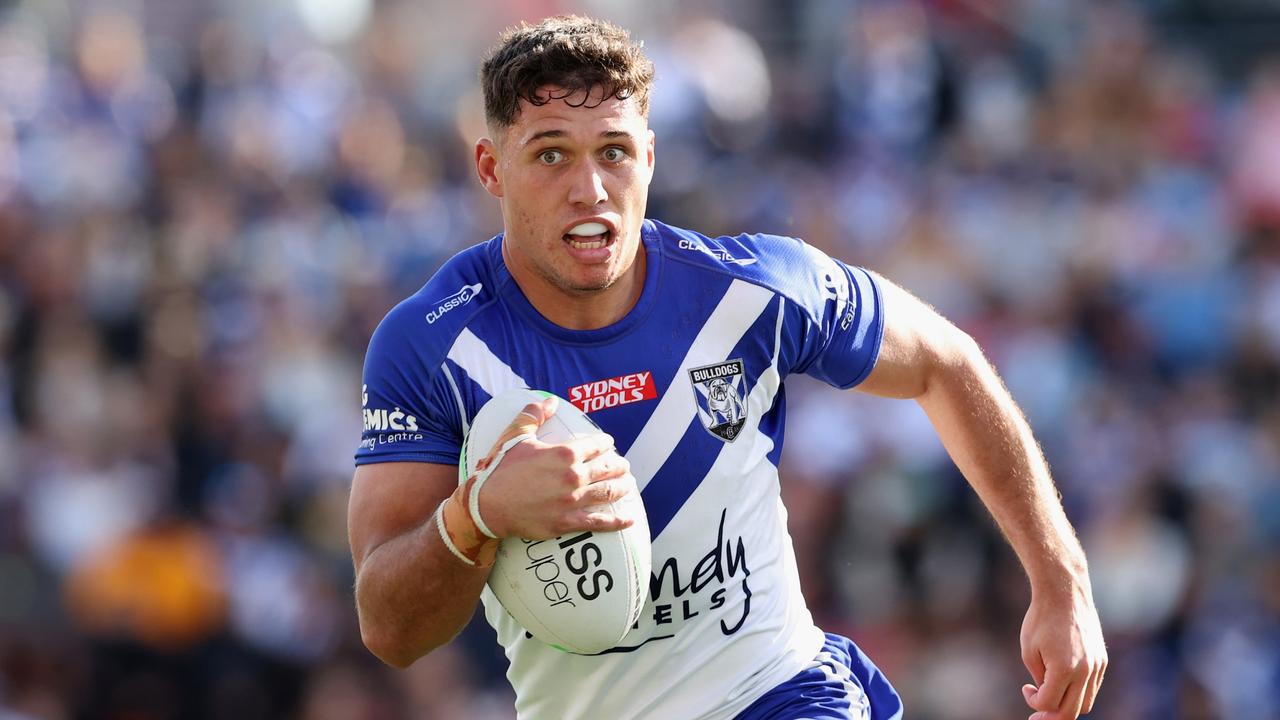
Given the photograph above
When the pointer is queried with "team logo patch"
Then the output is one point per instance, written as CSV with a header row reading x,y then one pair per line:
x,y
721,405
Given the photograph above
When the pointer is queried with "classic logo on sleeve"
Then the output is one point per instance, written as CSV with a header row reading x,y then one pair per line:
x,y
720,398
458,299
720,254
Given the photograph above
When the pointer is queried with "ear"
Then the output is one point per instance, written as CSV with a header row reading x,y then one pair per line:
x,y
487,166
650,158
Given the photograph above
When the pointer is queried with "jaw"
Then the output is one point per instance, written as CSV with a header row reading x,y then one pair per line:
x,y
576,292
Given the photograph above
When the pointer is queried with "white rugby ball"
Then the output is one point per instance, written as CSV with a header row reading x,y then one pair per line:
x,y
580,592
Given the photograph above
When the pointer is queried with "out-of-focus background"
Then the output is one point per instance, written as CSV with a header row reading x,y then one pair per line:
x,y
206,207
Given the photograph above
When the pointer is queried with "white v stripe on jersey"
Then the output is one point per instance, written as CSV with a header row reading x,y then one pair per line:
x,y
737,312
457,396
755,445
482,366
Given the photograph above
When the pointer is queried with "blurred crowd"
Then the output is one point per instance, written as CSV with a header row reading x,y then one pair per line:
x,y
205,209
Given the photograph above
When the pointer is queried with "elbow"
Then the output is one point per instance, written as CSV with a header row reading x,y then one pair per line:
x,y
954,357
393,643
963,352
389,648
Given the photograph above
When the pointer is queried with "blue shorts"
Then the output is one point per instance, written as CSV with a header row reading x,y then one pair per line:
x,y
841,683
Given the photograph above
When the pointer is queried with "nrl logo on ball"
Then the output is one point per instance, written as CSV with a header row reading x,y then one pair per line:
x,y
721,404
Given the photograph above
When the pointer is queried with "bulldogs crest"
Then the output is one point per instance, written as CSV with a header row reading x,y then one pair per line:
x,y
721,402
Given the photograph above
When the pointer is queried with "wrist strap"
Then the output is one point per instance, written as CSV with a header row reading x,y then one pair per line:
x,y
448,541
489,465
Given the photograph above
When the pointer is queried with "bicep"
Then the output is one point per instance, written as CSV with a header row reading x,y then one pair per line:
x,y
390,499
917,343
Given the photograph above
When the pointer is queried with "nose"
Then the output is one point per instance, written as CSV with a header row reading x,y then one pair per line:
x,y
587,186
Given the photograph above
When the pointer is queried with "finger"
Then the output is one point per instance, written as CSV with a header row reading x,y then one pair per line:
x,y
530,418
603,493
1048,696
605,521
1067,709
587,447
1073,700
606,466
1091,691
1028,693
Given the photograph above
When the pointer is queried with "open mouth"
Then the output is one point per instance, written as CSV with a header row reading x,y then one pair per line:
x,y
589,236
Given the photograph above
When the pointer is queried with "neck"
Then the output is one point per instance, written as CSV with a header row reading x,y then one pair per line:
x,y
582,310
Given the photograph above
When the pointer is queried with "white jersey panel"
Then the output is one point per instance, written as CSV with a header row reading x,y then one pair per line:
x,y
710,669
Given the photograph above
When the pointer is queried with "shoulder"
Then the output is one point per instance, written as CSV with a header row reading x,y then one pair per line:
x,y
788,266
426,323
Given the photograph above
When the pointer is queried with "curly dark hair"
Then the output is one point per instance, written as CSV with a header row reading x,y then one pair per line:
x,y
574,53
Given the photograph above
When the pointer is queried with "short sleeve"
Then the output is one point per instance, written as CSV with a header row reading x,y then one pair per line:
x,y
843,314
409,409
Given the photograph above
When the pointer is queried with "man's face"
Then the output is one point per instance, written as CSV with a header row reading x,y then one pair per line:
x,y
574,182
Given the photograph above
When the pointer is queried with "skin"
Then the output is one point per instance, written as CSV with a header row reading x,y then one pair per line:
x,y
558,165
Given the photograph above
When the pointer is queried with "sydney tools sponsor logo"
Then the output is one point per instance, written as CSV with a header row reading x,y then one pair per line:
x,y
613,392
458,299
718,253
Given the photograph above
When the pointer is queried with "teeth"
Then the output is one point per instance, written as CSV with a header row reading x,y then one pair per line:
x,y
589,245
589,229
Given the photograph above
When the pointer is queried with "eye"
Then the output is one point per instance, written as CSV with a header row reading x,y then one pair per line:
x,y
550,157
614,154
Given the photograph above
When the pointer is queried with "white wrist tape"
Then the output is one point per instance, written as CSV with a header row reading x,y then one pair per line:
x,y
448,541
473,499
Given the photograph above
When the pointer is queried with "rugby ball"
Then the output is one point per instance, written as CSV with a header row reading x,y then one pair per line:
x,y
580,592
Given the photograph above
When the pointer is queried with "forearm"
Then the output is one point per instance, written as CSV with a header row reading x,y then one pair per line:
x,y
924,357
413,595
990,441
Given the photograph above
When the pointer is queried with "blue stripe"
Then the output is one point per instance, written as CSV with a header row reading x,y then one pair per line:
x,y
688,465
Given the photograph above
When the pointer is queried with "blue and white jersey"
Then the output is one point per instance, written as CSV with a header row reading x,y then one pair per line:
x,y
689,383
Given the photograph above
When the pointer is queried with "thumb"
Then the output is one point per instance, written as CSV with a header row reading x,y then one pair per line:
x,y
531,417
527,421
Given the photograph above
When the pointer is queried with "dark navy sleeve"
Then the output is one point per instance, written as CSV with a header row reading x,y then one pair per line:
x,y
409,404
842,320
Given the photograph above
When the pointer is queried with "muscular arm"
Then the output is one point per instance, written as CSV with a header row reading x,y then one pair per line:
x,y
412,594
926,358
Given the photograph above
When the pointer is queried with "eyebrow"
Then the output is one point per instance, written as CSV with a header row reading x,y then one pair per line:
x,y
547,134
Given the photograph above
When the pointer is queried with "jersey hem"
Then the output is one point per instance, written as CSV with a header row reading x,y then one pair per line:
x,y
875,349
429,457
791,665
